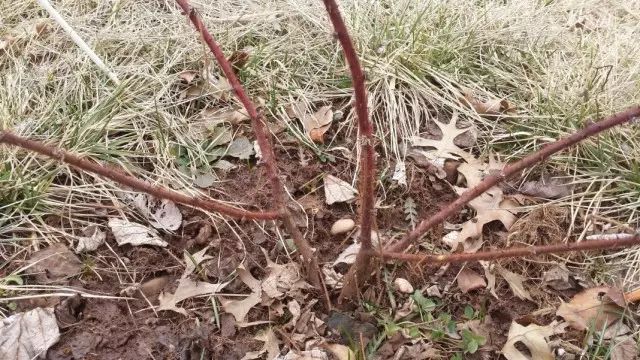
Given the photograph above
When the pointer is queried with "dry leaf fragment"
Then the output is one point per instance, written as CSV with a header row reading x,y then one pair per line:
x,y
28,335
271,346
315,125
558,278
469,280
188,76
487,107
624,348
340,352
41,28
515,283
187,288
534,337
240,308
162,213
126,232
336,190
548,188
53,264
92,239
590,307
241,148
213,117
238,59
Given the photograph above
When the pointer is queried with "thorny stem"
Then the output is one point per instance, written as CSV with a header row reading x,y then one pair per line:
x,y
137,184
309,259
360,271
432,260
540,155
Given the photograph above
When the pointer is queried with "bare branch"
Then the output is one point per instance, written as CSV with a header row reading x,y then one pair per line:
x,y
540,155
360,270
302,245
121,178
433,260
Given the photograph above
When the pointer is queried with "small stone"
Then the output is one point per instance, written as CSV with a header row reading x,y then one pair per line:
x,y
403,286
434,291
342,226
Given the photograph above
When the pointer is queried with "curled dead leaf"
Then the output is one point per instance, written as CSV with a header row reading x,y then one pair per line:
x,y
238,59
54,264
469,280
488,106
591,308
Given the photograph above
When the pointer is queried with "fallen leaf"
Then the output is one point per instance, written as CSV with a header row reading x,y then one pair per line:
x,y
220,88
240,308
281,280
54,264
488,106
92,239
241,148
445,147
489,207
557,278
624,348
548,187
238,59
315,125
212,117
419,351
515,283
41,28
469,280
28,335
400,173
162,213
534,337
224,165
271,346
187,288
193,261
126,232
341,352
188,76
203,180
590,307
336,190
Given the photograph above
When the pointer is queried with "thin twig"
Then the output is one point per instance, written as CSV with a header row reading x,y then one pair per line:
x,y
436,260
542,154
366,187
78,40
302,245
137,184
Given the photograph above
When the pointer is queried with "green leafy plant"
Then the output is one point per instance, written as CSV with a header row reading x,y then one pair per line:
x,y
471,342
410,211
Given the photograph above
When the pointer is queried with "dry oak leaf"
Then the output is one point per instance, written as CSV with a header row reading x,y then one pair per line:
x,y
53,264
187,288
444,148
469,280
534,337
240,308
591,307
315,125
336,190
28,335
515,283
489,207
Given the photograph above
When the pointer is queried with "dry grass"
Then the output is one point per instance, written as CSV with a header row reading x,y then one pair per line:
x,y
559,63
